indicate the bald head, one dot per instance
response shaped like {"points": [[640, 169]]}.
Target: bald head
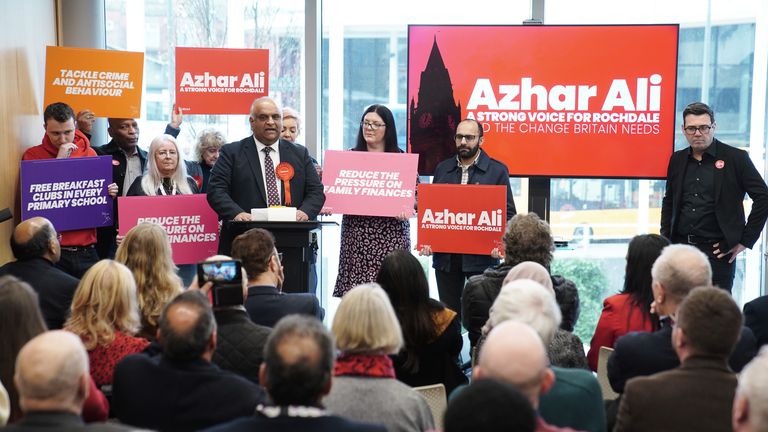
{"points": [[187, 328], [514, 353], [52, 373], [35, 238]]}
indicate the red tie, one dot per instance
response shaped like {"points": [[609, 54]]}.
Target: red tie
{"points": [[273, 199]]}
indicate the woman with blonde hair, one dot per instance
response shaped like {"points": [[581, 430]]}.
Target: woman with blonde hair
{"points": [[364, 386], [146, 251], [105, 315]]}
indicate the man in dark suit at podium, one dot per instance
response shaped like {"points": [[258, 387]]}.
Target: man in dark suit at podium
{"points": [[266, 303], [253, 172]]}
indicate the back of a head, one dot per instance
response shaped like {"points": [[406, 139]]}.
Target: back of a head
{"points": [[49, 372], [20, 311], [680, 268], [514, 353], [365, 322], [105, 302], [254, 248], [186, 327], [31, 237], [527, 302], [643, 250], [490, 405], [752, 388], [298, 361], [402, 278], [528, 238], [711, 321], [146, 250], [530, 270]]}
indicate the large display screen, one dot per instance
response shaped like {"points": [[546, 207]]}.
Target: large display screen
{"points": [[554, 101]]}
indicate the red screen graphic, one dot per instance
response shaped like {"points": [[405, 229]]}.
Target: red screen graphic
{"points": [[554, 101]]}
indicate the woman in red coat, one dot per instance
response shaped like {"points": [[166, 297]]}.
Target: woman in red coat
{"points": [[629, 310]]}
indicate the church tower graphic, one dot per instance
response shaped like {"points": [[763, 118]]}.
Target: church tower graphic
{"points": [[433, 120]]}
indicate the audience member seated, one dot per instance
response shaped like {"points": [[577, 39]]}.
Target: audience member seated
{"points": [[565, 349], [239, 341], [181, 389], [490, 405], [146, 251], [750, 406], [575, 400], [53, 382], [756, 318], [697, 395], [105, 316], [19, 311], [364, 385], [266, 303], [678, 270], [431, 331], [629, 310], [36, 247], [527, 238], [297, 368], [514, 353]]}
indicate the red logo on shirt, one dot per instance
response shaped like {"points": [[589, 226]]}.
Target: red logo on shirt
{"points": [[720, 164]]}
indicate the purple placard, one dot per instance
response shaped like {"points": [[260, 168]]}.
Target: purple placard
{"points": [[71, 193]]}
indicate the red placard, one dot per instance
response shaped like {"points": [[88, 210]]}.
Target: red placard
{"points": [[191, 224], [220, 80], [466, 219], [556, 101]]}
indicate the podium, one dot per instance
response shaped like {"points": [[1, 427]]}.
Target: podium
{"points": [[292, 239]]}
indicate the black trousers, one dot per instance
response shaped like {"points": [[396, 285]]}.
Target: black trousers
{"points": [[450, 284], [77, 261]]}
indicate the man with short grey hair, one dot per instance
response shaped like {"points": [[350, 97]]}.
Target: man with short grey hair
{"points": [[181, 389], [53, 381], [750, 406], [678, 270]]}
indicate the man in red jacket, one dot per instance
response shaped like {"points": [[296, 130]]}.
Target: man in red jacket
{"points": [[63, 140]]}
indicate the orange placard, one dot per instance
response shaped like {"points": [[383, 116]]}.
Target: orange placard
{"points": [[106, 82], [466, 219], [554, 101], [220, 80]]}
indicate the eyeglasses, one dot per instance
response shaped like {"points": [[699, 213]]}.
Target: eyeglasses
{"points": [[469, 138], [703, 129], [165, 153], [279, 256], [371, 125]]}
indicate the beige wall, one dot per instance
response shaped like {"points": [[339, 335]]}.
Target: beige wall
{"points": [[26, 28]]}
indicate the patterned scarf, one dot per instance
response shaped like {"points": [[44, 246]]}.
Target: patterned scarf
{"points": [[377, 366]]}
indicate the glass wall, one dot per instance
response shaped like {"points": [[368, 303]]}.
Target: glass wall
{"points": [[723, 60], [157, 27]]}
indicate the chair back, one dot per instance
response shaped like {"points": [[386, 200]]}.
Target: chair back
{"points": [[437, 401], [602, 374]]}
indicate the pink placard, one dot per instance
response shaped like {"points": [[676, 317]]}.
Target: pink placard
{"points": [[192, 226], [368, 183]]}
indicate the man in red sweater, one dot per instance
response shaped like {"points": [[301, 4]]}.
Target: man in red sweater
{"points": [[63, 140]]}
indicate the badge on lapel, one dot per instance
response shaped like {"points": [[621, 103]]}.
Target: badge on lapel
{"points": [[719, 164]]}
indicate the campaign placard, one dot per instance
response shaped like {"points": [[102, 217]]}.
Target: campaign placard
{"points": [[71, 193], [220, 80], [466, 219], [554, 100], [105, 81], [192, 226], [369, 183]]}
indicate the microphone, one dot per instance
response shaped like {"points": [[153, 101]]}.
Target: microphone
{"points": [[5, 214]]}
